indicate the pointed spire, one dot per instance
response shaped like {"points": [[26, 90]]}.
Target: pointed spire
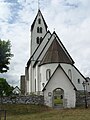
{"points": [[39, 13]]}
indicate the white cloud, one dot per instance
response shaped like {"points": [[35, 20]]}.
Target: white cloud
{"points": [[5, 11], [55, 2]]}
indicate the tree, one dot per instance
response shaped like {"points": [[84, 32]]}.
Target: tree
{"points": [[5, 55], [5, 88]]}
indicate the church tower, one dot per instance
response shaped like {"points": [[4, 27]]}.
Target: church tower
{"points": [[38, 30]]}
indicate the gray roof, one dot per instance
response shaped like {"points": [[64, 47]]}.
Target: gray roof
{"points": [[56, 54]]}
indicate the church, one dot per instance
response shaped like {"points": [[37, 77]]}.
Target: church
{"points": [[50, 71]]}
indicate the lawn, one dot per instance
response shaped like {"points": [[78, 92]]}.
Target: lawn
{"points": [[38, 112]]}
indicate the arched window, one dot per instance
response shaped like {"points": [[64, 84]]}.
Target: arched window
{"points": [[39, 21], [40, 39], [48, 74], [40, 29], [78, 81], [70, 74], [37, 29], [37, 40], [43, 84]]}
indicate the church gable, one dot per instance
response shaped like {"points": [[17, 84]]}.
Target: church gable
{"points": [[60, 81], [55, 54], [64, 73]]}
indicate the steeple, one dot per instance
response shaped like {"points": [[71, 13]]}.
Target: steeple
{"points": [[38, 30], [39, 14]]}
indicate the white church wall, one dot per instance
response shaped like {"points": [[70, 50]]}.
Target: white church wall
{"points": [[28, 82], [32, 79], [37, 78], [88, 84], [43, 70], [77, 79], [66, 68], [59, 80], [35, 82], [31, 84], [88, 87]]}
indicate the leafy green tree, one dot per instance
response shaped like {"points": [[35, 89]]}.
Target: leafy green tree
{"points": [[5, 55], [5, 88]]}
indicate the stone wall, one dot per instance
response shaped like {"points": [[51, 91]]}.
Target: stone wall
{"points": [[32, 99], [36, 99], [80, 98]]}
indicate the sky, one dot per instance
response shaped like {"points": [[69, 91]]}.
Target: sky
{"points": [[69, 18]]}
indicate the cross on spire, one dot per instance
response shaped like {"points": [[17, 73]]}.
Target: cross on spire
{"points": [[38, 4]]}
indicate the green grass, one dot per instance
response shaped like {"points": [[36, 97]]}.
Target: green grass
{"points": [[58, 101], [38, 112], [23, 109]]}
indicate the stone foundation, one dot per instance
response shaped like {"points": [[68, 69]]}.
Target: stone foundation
{"points": [[32, 99]]}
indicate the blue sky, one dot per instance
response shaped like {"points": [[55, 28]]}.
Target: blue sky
{"points": [[69, 18]]}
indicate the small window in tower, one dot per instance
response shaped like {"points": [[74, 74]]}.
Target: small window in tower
{"points": [[40, 29], [70, 74], [40, 39], [37, 29], [37, 40], [78, 81], [48, 74], [39, 21]]}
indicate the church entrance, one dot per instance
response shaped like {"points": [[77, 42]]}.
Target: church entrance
{"points": [[58, 95]]}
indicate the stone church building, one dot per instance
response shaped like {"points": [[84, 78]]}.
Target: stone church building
{"points": [[50, 71]]}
